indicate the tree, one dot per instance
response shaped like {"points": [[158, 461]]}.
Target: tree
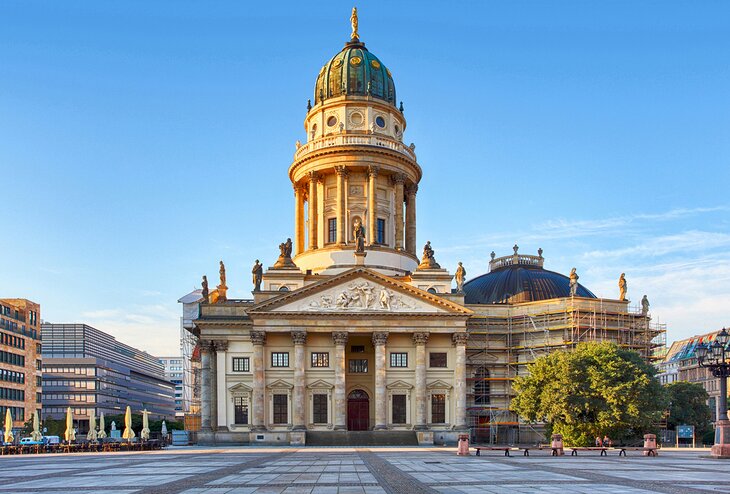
{"points": [[596, 389], [688, 406]]}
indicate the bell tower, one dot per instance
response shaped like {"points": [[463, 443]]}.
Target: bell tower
{"points": [[354, 169]]}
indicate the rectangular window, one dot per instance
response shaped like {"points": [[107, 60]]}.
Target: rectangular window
{"points": [[357, 349], [399, 409], [280, 409], [332, 230], [319, 410], [320, 359], [279, 359], [240, 406], [381, 231], [437, 359], [359, 366], [399, 359], [438, 409], [240, 364]]}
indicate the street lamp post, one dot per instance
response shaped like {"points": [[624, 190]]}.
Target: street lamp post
{"points": [[714, 357]]}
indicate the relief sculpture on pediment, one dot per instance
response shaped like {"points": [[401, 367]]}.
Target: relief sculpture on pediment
{"points": [[360, 296]]}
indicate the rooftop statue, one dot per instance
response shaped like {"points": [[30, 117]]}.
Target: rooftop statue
{"points": [[460, 277], [359, 234], [622, 287], [205, 293], [644, 305], [257, 274], [284, 260], [428, 261], [353, 21], [573, 282], [222, 272]]}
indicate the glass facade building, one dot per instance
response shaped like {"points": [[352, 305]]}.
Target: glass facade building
{"points": [[91, 372]]}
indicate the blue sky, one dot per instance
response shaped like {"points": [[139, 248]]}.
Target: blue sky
{"points": [[141, 142]]}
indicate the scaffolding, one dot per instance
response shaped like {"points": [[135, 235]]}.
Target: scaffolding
{"points": [[505, 338]]}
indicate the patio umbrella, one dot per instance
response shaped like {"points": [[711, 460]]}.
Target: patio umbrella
{"points": [[102, 426], [145, 432], [91, 436], [128, 433], [70, 432], [36, 434], [8, 427], [164, 429]]}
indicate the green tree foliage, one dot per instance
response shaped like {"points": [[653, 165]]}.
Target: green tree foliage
{"points": [[593, 390], [688, 406]]}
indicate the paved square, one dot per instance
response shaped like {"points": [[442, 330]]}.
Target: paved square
{"points": [[361, 470]]}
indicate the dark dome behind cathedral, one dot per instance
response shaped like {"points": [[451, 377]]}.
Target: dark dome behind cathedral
{"points": [[519, 283], [354, 71]]}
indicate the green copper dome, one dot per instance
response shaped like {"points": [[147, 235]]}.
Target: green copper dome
{"points": [[354, 71]]}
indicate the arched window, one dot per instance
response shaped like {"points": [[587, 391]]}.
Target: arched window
{"points": [[284, 289], [481, 386]]}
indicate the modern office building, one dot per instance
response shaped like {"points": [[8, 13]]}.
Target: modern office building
{"points": [[20, 354], [91, 372], [174, 373]]}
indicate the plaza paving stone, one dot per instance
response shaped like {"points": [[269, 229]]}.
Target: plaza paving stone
{"points": [[256, 470]]}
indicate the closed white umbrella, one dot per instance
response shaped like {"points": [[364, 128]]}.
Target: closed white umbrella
{"points": [[8, 436], [145, 432], [164, 429], [36, 434], [70, 432], [102, 426], [128, 432], [91, 436]]}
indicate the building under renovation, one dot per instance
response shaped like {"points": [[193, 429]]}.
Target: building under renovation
{"points": [[523, 311]]}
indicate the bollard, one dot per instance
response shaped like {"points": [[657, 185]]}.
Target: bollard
{"points": [[463, 445], [650, 442], [557, 442]]}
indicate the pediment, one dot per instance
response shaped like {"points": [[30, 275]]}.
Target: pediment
{"points": [[280, 384], [399, 385], [320, 384], [361, 290], [240, 388], [438, 384]]}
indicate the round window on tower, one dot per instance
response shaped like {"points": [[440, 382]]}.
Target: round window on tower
{"points": [[332, 121], [380, 122]]}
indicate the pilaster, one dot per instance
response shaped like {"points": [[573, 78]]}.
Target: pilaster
{"points": [[258, 339], [459, 340], [299, 338], [420, 340], [381, 406]]}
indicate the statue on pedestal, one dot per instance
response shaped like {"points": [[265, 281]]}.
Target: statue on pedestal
{"points": [[460, 276], [427, 260], [359, 235], [205, 293], [222, 272], [284, 261], [257, 273], [622, 287], [573, 282]]}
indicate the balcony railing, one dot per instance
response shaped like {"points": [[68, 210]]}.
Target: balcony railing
{"points": [[354, 140]]}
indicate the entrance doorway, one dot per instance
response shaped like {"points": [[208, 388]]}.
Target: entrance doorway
{"points": [[358, 410]]}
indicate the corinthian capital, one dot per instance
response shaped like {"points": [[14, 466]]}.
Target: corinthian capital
{"points": [[420, 338], [398, 178], [299, 337], [380, 338], [373, 170], [460, 338], [258, 337], [341, 170], [221, 345], [412, 189], [339, 337]]}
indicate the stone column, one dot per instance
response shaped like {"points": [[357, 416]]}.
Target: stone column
{"points": [[398, 180], [381, 405], [321, 221], [221, 393], [459, 340], [258, 423], [341, 206], [372, 205], [312, 202], [420, 340], [205, 397], [298, 399], [298, 219], [340, 339], [411, 219]]}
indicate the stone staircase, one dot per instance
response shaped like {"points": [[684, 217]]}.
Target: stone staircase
{"points": [[361, 438]]}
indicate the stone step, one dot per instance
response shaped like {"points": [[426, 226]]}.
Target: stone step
{"points": [[361, 438]]}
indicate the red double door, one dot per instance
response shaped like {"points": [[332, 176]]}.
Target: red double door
{"points": [[358, 411]]}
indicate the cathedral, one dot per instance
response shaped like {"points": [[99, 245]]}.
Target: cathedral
{"points": [[355, 334]]}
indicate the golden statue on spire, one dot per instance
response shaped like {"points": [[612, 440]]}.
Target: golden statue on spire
{"points": [[353, 21]]}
